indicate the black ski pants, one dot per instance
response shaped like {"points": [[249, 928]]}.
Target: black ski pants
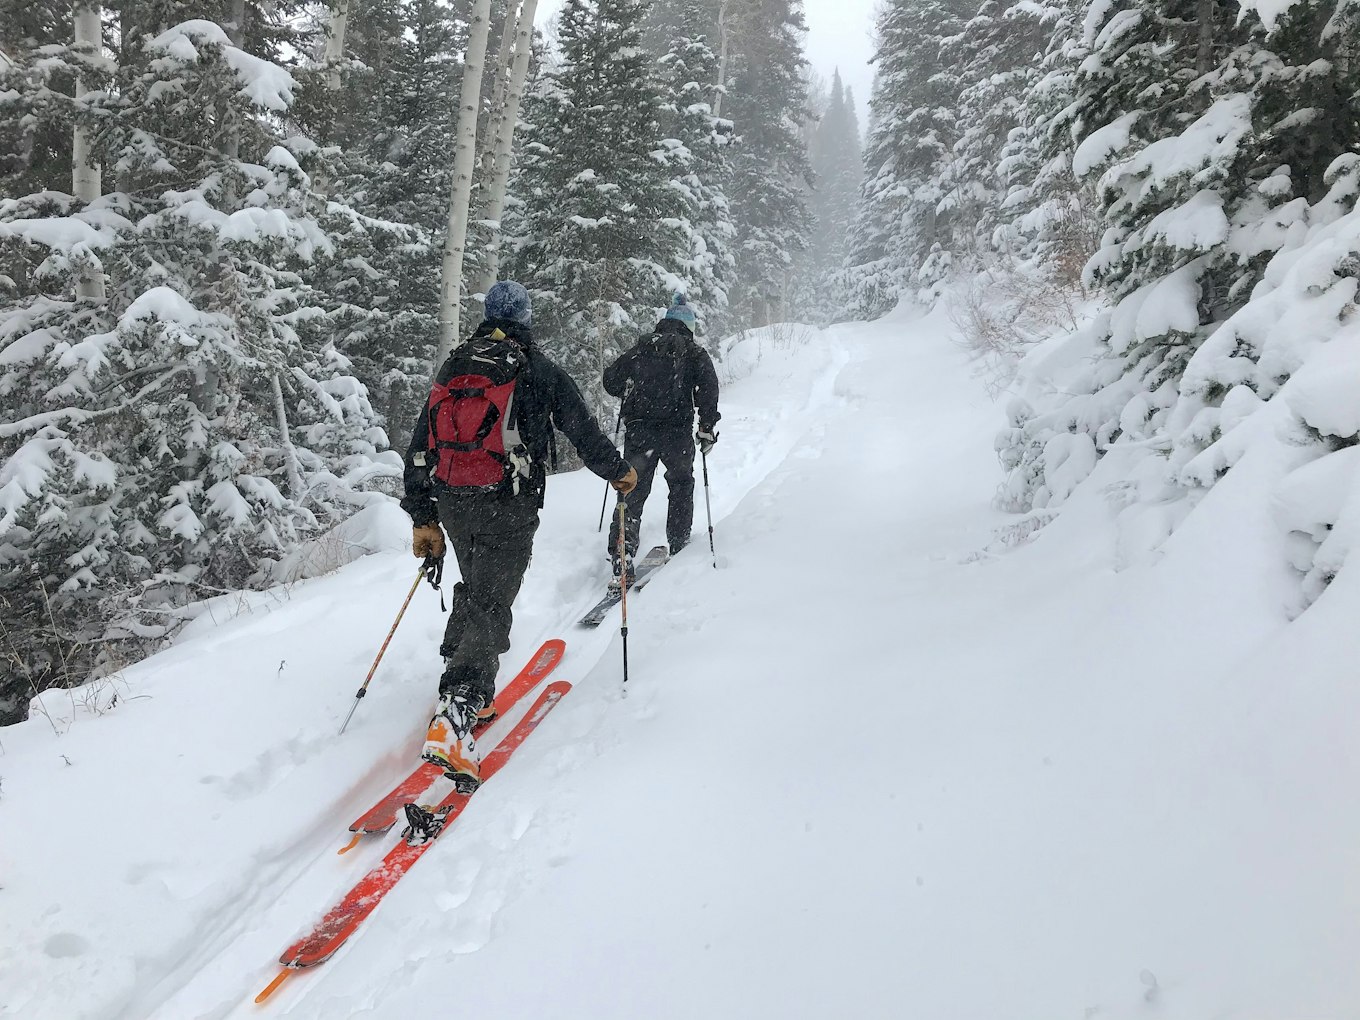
{"points": [[645, 446], [492, 538]]}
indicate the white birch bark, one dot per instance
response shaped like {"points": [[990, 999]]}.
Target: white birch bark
{"points": [[722, 58], [499, 81], [503, 149], [465, 158], [86, 176], [335, 43]]}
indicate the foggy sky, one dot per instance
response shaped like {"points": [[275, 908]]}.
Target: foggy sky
{"points": [[838, 36]]}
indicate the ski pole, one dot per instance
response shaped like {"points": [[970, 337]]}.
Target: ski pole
{"points": [[623, 586], [708, 509], [618, 422], [431, 568]]}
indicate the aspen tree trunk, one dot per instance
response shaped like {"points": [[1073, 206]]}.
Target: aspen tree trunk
{"points": [[86, 177], [465, 158], [723, 35], [335, 43], [499, 81], [503, 146]]}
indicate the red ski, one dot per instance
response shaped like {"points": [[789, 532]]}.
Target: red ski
{"points": [[383, 815], [337, 926]]}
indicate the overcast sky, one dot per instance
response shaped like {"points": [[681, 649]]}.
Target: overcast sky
{"points": [[838, 36]]}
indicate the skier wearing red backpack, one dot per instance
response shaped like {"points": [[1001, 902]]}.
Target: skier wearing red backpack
{"points": [[477, 464]]}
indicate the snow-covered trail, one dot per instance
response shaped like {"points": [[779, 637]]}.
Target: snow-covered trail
{"points": [[864, 769]]}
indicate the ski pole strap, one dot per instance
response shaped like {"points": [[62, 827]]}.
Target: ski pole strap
{"points": [[433, 571]]}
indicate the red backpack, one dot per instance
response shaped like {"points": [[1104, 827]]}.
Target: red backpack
{"points": [[473, 431]]}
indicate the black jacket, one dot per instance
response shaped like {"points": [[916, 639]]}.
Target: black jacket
{"points": [[546, 396], [664, 377]]}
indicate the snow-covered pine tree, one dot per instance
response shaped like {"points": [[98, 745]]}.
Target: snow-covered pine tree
{"points": [[765, 96], [37, 82], [834, 154], [1048, 217], [1184, 117], [898, 222], [998, 54], [175, 438], [696, 146], [597, 228], [392, 147]]}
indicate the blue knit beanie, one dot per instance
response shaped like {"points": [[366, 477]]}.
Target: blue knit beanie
{"points": [[508, 300], [681, 311]]}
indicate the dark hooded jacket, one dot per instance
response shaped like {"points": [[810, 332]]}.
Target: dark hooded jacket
{"points": [[664, 377], [545, 397]]}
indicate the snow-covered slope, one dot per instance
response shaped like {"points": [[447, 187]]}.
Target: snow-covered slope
{"points": [[867, 768]]}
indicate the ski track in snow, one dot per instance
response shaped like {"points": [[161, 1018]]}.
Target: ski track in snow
{"points": [[862, 770]]}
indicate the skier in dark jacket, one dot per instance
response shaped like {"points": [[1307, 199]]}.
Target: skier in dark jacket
{"points": [[492, 529], [662, 379]]}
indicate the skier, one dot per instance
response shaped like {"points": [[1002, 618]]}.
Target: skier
{"points": [[477, 463], [662, 379]]}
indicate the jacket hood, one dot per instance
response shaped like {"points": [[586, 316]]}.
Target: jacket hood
{"points": [[515, 330], [674, 327]]}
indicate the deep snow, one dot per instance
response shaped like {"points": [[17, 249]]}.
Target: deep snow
{"points": [[871, 767]]}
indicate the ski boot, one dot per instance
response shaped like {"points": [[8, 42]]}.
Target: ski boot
{"points": [[449, 742]]}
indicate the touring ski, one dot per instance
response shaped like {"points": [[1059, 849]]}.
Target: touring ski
{"points": [[643, 571], [332, 931], [383, 815]]}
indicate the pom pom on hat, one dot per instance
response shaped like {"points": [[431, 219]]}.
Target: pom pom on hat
{"points": [[681, 311]]}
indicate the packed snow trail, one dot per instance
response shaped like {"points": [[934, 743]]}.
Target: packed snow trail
{"points": [[873, 767]]}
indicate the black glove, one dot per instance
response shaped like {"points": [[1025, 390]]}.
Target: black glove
{"points": [[706, 437]]}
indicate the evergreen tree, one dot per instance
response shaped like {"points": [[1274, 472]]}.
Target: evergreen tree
{"points": [[998, 54], [174, 438], [834, 154], [1198, 132], [598, 232], [37, 81], [393, 151], [901, 219], [697, 145], [1048, 216], [766, 98]]}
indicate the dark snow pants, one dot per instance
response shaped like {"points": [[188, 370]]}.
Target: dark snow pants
{"points": [[644, 447], [492, 537]]}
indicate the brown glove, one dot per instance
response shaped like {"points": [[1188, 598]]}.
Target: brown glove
{"points": [[623, 486], [428, 540]]}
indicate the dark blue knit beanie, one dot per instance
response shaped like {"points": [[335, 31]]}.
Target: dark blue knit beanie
{"points": [[508, 300]]}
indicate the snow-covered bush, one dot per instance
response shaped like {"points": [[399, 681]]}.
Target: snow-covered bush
{"points": [[1000, 311]]}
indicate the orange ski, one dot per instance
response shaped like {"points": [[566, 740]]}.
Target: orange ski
{"points": [[339, 924], [383, 815]]}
